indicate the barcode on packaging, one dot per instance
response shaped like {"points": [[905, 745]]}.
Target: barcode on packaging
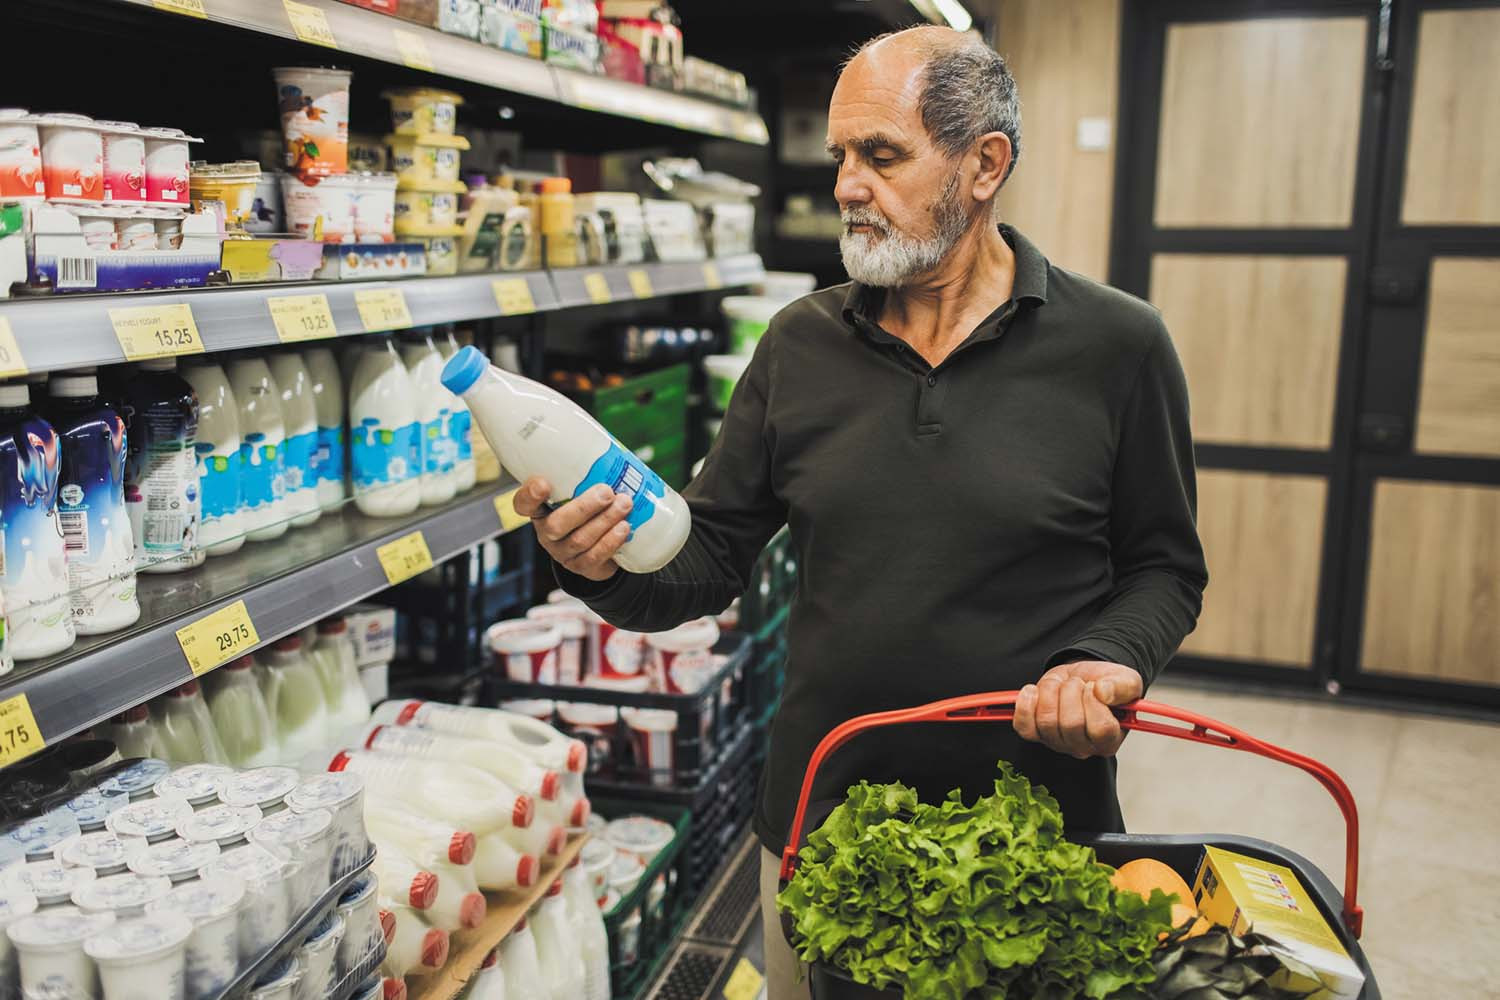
{"points": [[75, 529], [77, 272]]}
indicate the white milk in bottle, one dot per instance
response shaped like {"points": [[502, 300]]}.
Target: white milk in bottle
{"points": [[294, 694], [218, 450], [519, 964], [161, 468], [328, 402], [460, 426], [425, 366], [262, 455], [539, 432], [299, 418], [557, 946], [386, 452]]}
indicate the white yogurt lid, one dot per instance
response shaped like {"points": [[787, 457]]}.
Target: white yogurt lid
{"points": [[252, 863], [534, 708], [641, 835], [100, 849], [125, 891], [288, 828], [652, 720], [196, 782], [149, 818], [566, 618], [582, 713], [57, 930], [60, 118], [701, 633], [637, 684], [176, 858], [595, 825], [140, 939], [49, 881], [597, 853], [137, 778], [206, 899], [326, 791], [522, 635], [16, 115], [261, 787], [40, 836], [221, 824], [626, 868], [15, 904], [92, 808]]}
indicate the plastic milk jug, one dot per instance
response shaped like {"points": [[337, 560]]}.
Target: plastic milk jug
{"points": [[223, 528], [386, 453], [461, 426], [299, 419], [262, 451], [328, 402]]}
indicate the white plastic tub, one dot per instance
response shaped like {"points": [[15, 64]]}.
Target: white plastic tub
{"points": [[124, 895], [319, 957], [342, 795], [574, 629], [150, 819], [525, 651], [51, 882], [305, 838], [144, 957], [199, 784], [748, 316], [176, 859], [330, 199], [267, 911], [221, 824], [682, 658], [49, 947], [263, 787], [724, 371], [213, 905], [653, 733]]}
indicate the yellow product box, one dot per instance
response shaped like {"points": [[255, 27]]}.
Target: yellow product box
{"points": [[1247, 894]]}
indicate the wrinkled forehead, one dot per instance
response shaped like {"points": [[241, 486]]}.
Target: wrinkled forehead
{"points": [[878, 95]]}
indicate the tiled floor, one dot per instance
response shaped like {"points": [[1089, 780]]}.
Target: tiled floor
{"points": [[1428, 792]]}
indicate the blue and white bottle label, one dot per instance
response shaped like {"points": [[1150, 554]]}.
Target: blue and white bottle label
{"points": [[437, 446], [622, 472], [219, 480], [329, 460], [458, 428], [385, 455], [301, 453], [262, 471]]}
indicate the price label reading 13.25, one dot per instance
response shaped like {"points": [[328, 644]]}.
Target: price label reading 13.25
{"points": [[156, 331], [217, 638], [302, 317]]}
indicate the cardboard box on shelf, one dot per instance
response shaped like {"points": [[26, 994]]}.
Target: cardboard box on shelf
{"points": [[63, 259]]}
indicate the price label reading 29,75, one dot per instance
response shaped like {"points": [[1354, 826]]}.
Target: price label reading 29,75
{"points": [[217, 638], [156, 331]]}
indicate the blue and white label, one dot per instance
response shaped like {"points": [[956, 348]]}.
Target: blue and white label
{"points": [[329, 460], [262, 471], [385, 455], [458, 429], [301, 452], [219, 481], [437, 446], [622, 472]]}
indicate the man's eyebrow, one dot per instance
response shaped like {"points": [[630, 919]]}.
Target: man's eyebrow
{"points": [[868, 144]]}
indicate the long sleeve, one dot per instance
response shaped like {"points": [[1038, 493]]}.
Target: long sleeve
{"points": [[735, 512], [1156, 557]]}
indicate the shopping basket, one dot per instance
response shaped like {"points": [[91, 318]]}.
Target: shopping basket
{"points": [[1181, 853]]}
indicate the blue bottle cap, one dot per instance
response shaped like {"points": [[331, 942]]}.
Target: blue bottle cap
{"points": [[463, 370]]}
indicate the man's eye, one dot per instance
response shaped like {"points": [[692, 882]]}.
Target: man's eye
{"points": [[882, 161]]}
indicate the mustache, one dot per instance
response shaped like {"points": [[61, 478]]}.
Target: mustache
{"points": [[859, 216]]}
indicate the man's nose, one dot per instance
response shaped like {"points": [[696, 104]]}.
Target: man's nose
{"points": [[851, 187]]}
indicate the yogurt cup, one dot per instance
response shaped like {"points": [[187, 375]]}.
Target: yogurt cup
{"points": [[38, 838], [596, 826], [621, 653], [49, 946], [199, 784], [124, 163], [639, 684], [213, 905], [306, 837], [420, 160], [525, 651], [123, 895], [540, 709], [630, 938], [598, 857], [279, 982], [342, 794], [441, 252], [72, 157], [151, 819], [319, 957], [229, 185], [372, 989], [329, 199], [221, 824], [314, 106], [653, 735], [265, 207], [422, 110], [168, 234], [625, 871], [267, 911], [375, 207], [136, 778], [167, 176], [21, 175], [682, 658], [643, 836], [100, 850], [264, 787], [597, 726], [92, 808], [426, 207], [176, 859], [363, 931], [142, 959], [14, 904], [99, 231], [51, 882], [574, 628], [135, 233]]}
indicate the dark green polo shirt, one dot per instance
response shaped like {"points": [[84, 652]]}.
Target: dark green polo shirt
{"points": [[958, 529]]}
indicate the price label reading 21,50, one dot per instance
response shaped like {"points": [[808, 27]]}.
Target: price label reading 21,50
{"points": [[217, 638]]}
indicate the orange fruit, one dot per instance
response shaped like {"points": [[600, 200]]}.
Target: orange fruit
{"points": [[1144, 874]]}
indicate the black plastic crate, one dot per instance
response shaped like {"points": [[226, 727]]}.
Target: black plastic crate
{"points": [[709, 722], [773, 582], [767, 677]]}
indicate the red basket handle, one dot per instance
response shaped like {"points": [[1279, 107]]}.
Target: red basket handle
{"points": [[1000, 707]]}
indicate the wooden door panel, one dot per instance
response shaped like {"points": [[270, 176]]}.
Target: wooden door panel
{"points": [[1432, 600], [1259, 340], [1260, 123], [1458, 409]]}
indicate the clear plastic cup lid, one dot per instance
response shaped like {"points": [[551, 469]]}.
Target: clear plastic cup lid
{"points": [[177, 859], [49, 881], [281, 975], [597, 853], [100, 849], [362, 887], [125, 891], [595, 825], [140, 938], [196, 782], [153, 819], [221, 824], [38, 837], [328, 932], [261, 787], [93, 807], [641, 835], [137, 777], [252, 863], [206, 899], [15, 904], [326, 791], [287, 828], [626, 867], [52, 930]]}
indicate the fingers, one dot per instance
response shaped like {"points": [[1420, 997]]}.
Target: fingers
{"points": [[1047, 728], [573, 515], [1072, 719], [1103, 729], [531, 497], [1025, 720], [591, 532], [598, 562]]}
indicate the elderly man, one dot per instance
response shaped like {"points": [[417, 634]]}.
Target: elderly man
{"points": [[984, 459]]}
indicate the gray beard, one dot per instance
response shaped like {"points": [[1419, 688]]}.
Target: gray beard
{"points": [[889, 258]]}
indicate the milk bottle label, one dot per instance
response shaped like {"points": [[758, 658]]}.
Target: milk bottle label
{"points": [[301, 453], [34, 563], [622, 472], [437, 450], [262, 471], [219, 479], [162, 494], [385, 455], [329, 458], [91, 515], [458, 427]]}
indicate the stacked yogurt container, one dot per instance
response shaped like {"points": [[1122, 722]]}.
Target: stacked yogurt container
{"points": [[172, 884]]}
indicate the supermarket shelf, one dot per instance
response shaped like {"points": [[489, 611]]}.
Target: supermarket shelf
{"points": [[378, 36], [232, 318], [286, 584]]}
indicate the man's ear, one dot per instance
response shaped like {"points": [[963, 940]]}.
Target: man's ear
{"points": [[994, 152]]}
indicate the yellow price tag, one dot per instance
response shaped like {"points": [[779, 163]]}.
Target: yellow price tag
{"points": [[156, 331], [711, 276], [404, 558], [192, 8], [12, 365], [310, 24], [217, 638], [597, 288], [505, 506], [382, 309], [413, 49], [19, 734], [745, 982], [513, 296], [640, 284], [302, 317]]}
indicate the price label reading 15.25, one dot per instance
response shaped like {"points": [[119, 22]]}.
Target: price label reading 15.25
{"points": [[382, 309], [217, 638], [19, 735], [404, 558], [302, 317], [12, 365], [156, 331]]}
